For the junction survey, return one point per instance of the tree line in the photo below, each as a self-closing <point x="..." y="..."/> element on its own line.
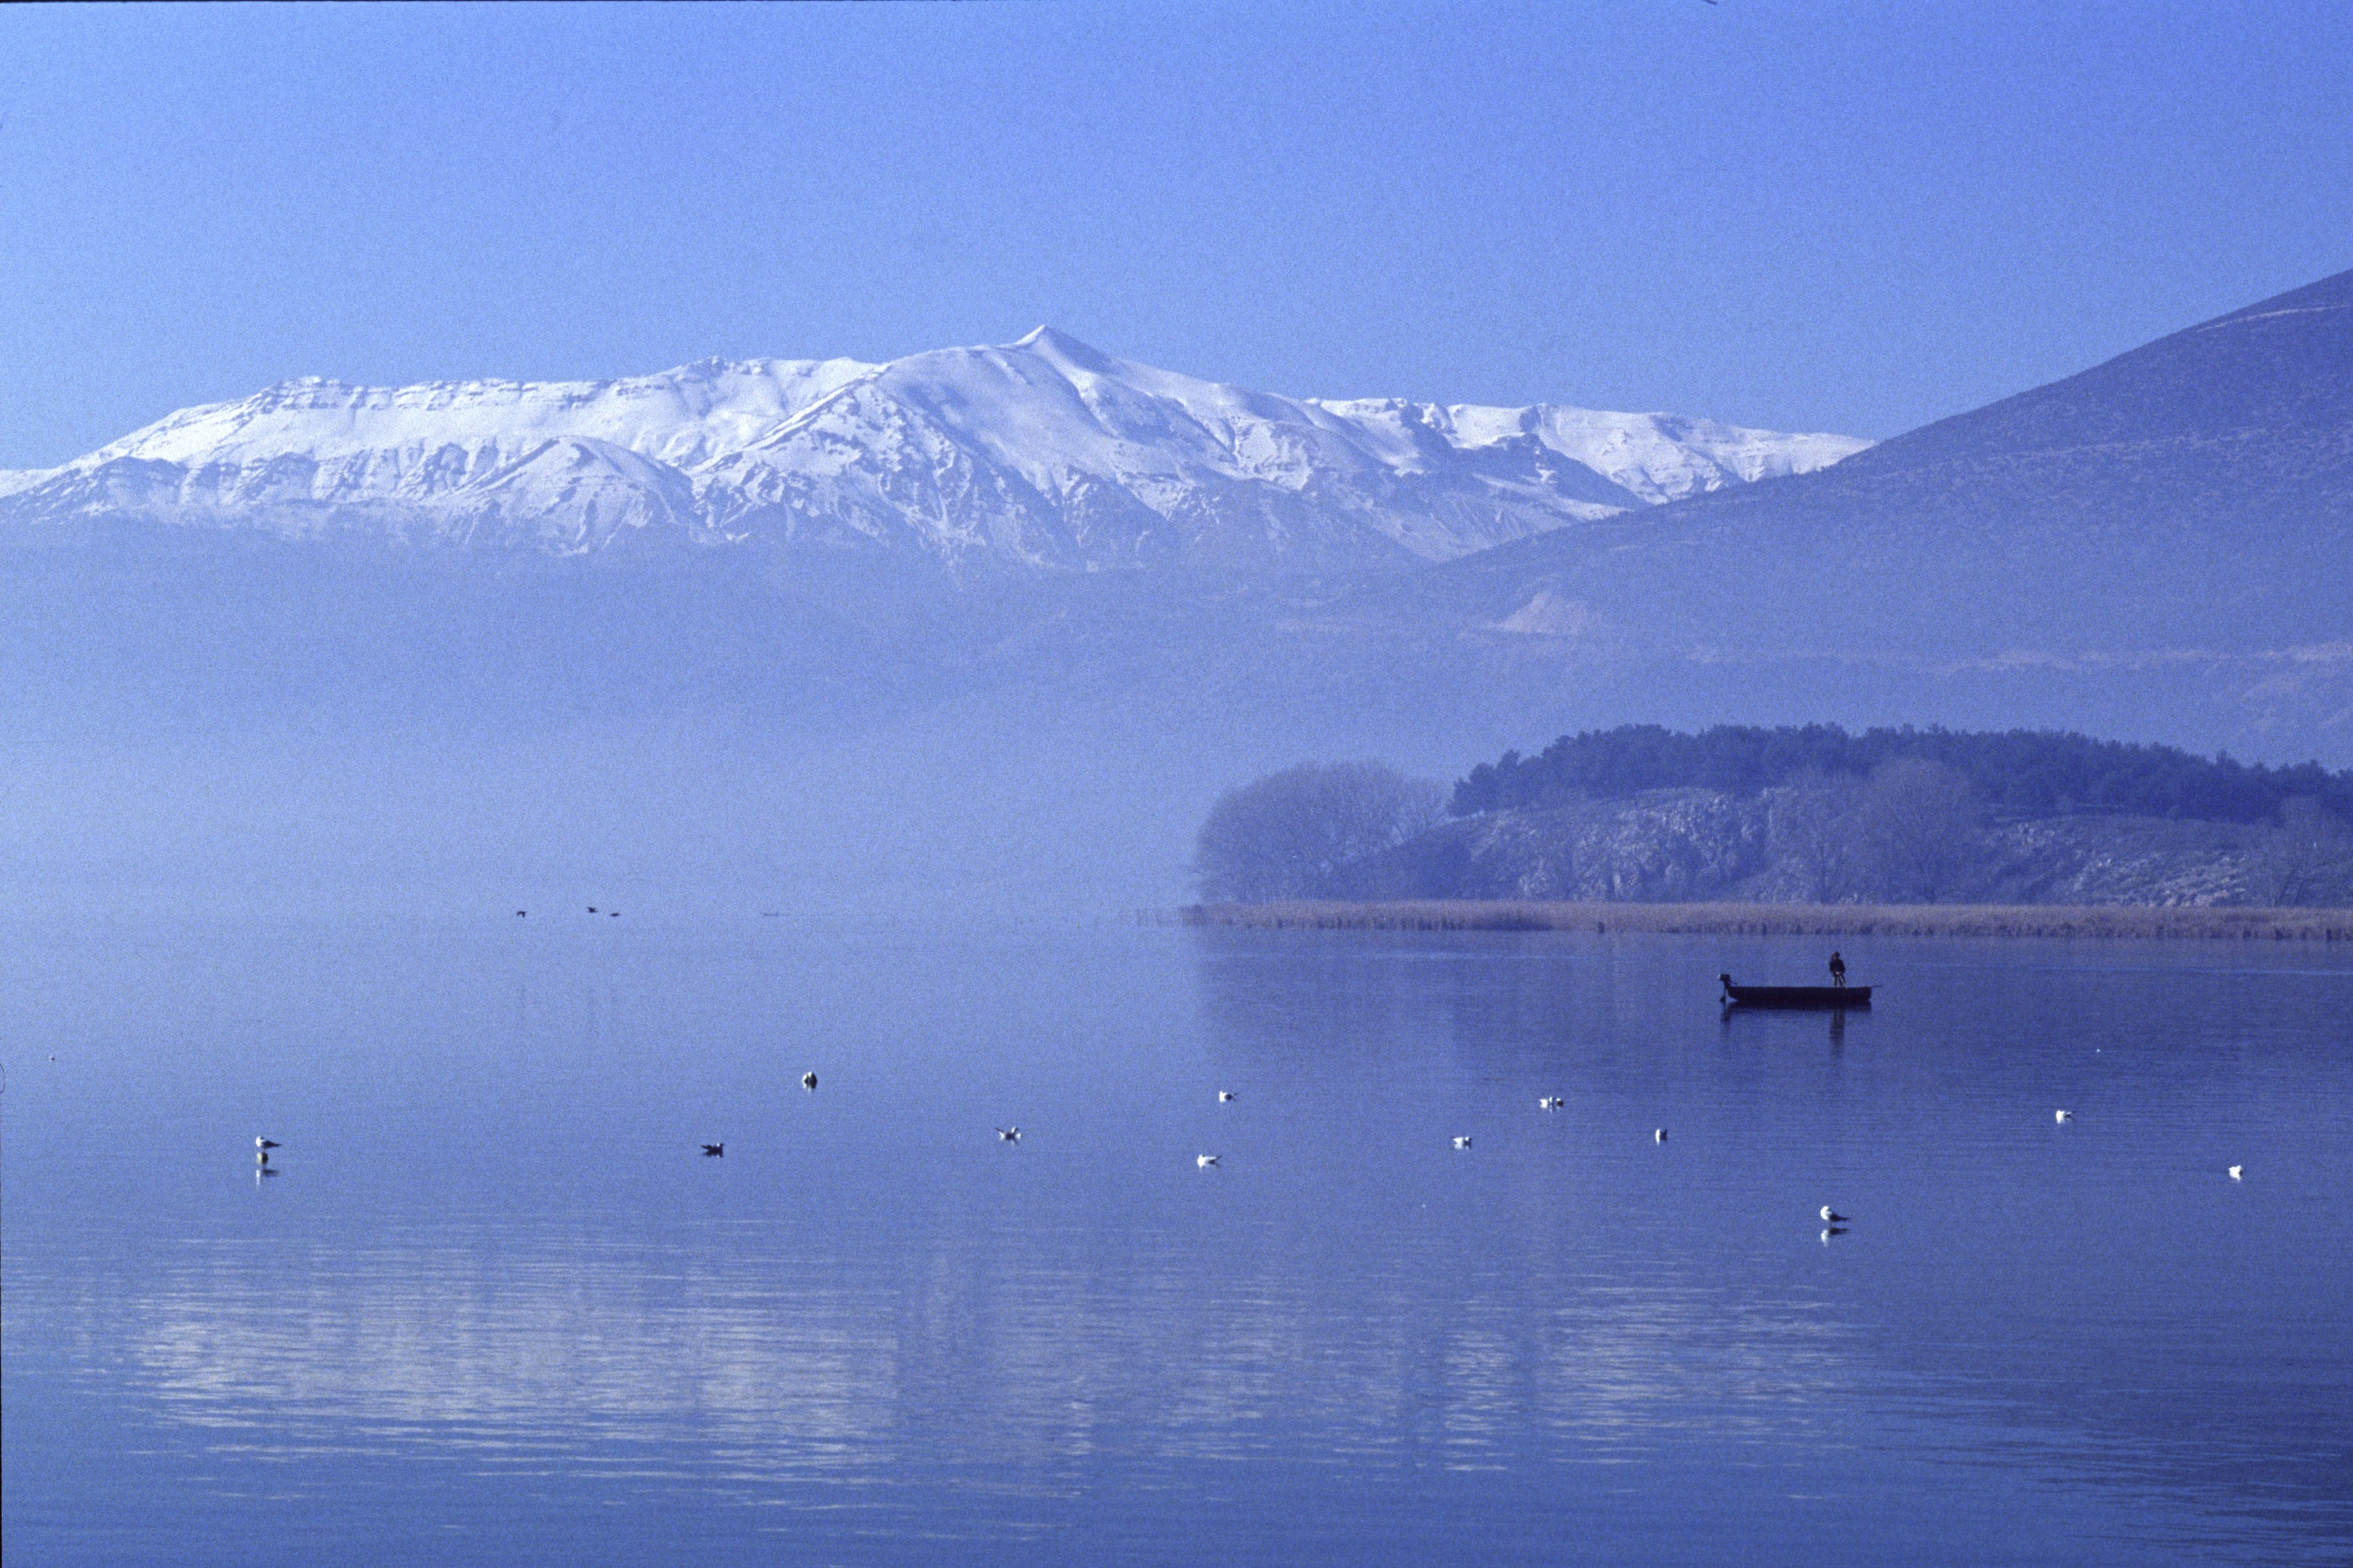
<point x="2022" y="772"/>
<point x="1895" y="816"/>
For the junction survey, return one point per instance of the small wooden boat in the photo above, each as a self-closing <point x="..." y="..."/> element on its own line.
<point x="1839" y="998"/>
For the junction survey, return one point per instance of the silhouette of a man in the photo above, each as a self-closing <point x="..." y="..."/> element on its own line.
<point x="1838" y="971"/>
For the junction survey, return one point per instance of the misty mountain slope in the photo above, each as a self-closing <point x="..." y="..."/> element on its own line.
<point x="2271" y="374"/>
<point x="1044" y="454"/>
<point x="2192" y="497"/>
<point x="2159" y="548"/>
<point x="742" y="681"/>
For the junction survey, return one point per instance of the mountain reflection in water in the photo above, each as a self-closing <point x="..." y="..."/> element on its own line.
<point x="522" y="1341"/>
<point x="496" y="1308"/>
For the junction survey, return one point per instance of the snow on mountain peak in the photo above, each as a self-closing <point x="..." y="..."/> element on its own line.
<point x="1066" y="351"/>
<point x="1045" y="452"/>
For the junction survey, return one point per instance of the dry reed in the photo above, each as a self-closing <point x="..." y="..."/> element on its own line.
<point x="2197" y="922"/>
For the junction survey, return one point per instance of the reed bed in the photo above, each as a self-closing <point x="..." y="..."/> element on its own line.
<point x="1782" y="920"/>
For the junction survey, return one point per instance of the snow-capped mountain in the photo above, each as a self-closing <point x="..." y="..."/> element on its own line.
<point x="1043" y="453"/>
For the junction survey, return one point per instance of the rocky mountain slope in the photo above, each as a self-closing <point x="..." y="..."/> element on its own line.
<point x="1680" y="846"/>
<point x="1040" y="454"/>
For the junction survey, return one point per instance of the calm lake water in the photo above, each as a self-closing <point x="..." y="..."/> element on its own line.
<point x="496" y="1308"/>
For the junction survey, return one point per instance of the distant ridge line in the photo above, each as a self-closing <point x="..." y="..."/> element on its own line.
<point x="2148" y="921"/>
<point x="1043" y="454"/>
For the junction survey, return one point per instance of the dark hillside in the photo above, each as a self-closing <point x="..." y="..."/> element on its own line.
<point x="2020" y="772"/>
<point x="2188" y="502"/>
<point x="2269" y="375"/>
<point x="1813" y="813"/>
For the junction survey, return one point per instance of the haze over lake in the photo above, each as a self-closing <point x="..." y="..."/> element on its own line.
<point x="850" y="515"/>
<point x="496" y="1307"/>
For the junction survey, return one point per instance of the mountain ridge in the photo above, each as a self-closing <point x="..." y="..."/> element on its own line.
<point x="1045" y="453"/>
<point x="205" y="700"/>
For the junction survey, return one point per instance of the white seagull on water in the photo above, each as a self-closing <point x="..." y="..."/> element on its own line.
<point x="1225" y="1096"/>
<point x="1009" y="1135"/>
<point x="1204" y="1161"/>
<point x="2063" y="1116"/>
<point x="1550" y="1102"/>
<point x="1830" y="1218"/>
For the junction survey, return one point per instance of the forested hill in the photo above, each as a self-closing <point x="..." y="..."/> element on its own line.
<point x="2037" y="773"/>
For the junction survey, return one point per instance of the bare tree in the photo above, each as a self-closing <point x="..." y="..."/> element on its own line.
<point x="1283" y="836"/>
<point x="2308" y="860"/>
<point x="1916" y="820"/>
<point x="1811" y="827"/>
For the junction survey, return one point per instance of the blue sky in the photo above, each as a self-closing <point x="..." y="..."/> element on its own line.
<point x="1778" y="212"/>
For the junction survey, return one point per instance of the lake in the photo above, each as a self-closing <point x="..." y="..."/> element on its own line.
<point x="494" y="1306"/>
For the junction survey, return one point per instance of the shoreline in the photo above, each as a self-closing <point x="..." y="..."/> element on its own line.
<point x="2192" y="923"/>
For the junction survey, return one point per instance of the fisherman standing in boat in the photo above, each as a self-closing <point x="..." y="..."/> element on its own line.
<point x="1838" y="971"/>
